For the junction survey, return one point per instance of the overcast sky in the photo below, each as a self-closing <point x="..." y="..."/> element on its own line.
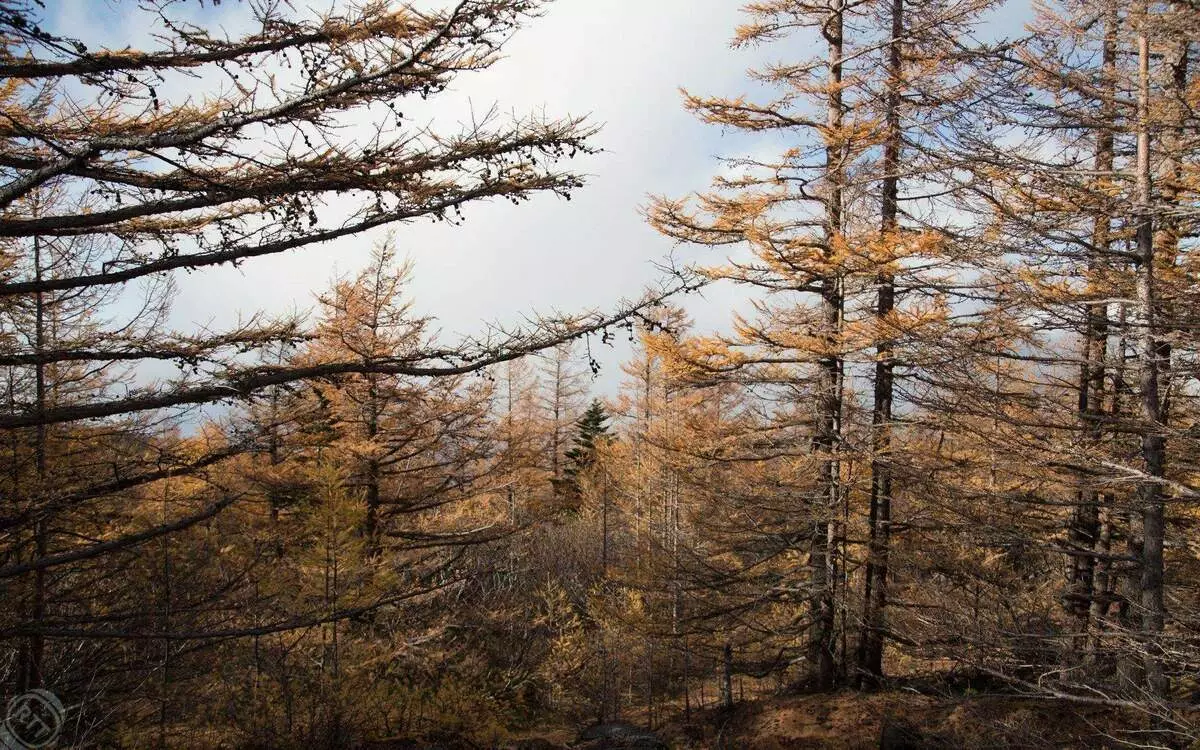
<point x="621" y="62"/>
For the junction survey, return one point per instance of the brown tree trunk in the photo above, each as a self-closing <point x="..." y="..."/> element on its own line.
<point x="871" y="640"/>
<point x="1150" y="497"/>
<point x="32" y="673"/>
<point x="822" y="636"/>
<point x="1083" y="532"/>
<point x="727" y="676"/>
<point x="372" y="531"/>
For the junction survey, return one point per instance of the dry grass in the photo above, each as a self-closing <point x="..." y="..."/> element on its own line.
<point x="854" y="721"/>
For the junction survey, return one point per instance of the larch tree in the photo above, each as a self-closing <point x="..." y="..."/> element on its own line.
<point x="515" y="405"/>
<point x="410" y="445"/>
<point x="836" y="239"/>
<point x="1092" y="249"/>
<point x="561" y="397"/>
<point x="791" y="212"/>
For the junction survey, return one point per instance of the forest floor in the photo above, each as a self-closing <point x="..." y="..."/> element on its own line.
<point x="895" y="720"/>
<point x="890" y="720"/>
<point x="900" y="719"/>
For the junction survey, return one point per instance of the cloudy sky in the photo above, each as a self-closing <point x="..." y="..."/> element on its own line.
<point x="621" y="62"/>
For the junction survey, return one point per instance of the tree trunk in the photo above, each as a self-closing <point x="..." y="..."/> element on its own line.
<point x="1150" y="497"/>
<point x="33" y="672"/>
<point x="727" y="677"/>
<point x="822" y="636"/>
<point x="1083" y="532"/>
<point x="870" y="655"/>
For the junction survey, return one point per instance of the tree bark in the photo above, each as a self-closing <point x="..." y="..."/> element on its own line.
<point x="822" y="637"/>
<point x="871" y="640"/>
<point x="1083" y="533"/>
<point x="1150" y="497"/>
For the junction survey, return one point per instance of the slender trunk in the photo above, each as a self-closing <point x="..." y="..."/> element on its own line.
<point x="687" y="691"/>
<point x="678" y="644"/>
<point x="556" y="438"/>
<point x="164" y="683"/>
<point x="15" y="449"/>
<point x="604" y="529"/>
<point x="638" y="508"/>
<point x="650" y="682"/>
<point x="34" y="669"/>
<point x="605" y="666"/>
<point x="1102" y="595"/>
<point x="1150" y="497"/>
<point x="508" y="425"/>
<point x="1126" y="579"/>
<point x="1083" y="531"/>
<point x="274" y="443"/>
<point x="871" y="640"/>
<point x="372" y="471"/>
<point x="727" y="676"/>
<point x="333" y="650"/>
<point x="822" y="637"/>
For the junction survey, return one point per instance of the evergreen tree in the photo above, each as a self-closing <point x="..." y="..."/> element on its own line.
<point x="592" y="428"/>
